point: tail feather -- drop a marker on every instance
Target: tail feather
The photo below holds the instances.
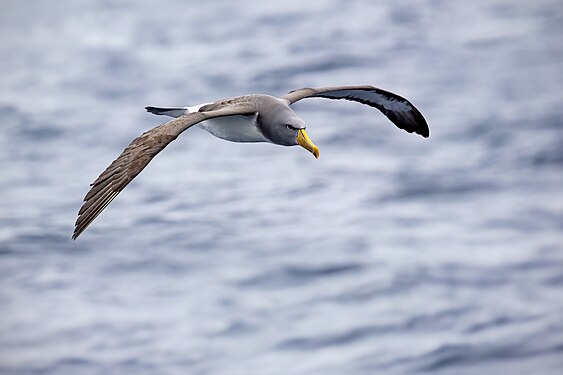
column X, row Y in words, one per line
column 172, row 112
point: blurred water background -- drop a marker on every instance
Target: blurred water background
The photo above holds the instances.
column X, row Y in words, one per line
column 391, row 254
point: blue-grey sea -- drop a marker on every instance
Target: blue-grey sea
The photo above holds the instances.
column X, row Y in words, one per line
column 390, row 254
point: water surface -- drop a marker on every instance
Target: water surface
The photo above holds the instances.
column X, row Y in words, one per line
column 390, row 254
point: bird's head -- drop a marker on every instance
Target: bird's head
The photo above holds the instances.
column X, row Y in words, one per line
column 285, row 128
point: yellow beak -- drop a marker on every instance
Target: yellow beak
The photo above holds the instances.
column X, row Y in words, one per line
column 304, row 141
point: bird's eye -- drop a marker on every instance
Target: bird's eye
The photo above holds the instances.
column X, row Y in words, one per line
column 290, row 127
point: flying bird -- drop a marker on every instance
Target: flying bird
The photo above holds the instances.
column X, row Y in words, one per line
column 249, row 118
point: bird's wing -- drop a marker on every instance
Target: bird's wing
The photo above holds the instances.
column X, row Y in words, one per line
column 137, row 156
column 397, row 109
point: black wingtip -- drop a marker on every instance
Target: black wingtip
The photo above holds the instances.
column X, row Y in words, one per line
column 77, row 232
column 413, row 123
column 423, row 129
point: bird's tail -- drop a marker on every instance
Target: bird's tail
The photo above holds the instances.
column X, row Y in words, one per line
column 172, row 112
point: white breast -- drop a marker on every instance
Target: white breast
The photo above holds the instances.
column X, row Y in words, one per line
column 235, row 128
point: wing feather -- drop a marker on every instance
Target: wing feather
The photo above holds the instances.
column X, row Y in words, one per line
column 399, row 110
column 137, row 156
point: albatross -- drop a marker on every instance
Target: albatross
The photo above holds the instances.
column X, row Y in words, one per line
column 248, row 118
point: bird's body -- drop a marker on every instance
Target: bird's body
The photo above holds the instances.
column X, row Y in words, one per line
column 249, row 118
column 235, row 128
column 245, row 128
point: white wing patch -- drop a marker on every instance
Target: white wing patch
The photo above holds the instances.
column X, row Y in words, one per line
column 389, row 103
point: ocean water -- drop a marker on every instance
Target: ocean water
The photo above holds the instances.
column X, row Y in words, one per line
column 390, row 254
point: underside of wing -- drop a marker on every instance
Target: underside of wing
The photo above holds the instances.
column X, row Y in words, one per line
column 397, row 109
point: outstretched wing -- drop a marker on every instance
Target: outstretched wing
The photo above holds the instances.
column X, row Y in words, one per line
column 137, row 156
column 397, row 109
